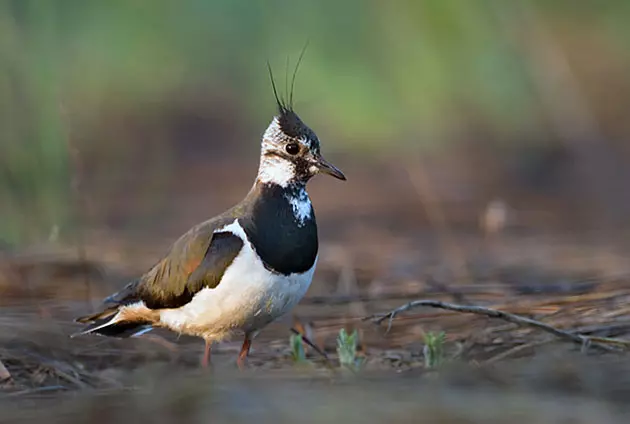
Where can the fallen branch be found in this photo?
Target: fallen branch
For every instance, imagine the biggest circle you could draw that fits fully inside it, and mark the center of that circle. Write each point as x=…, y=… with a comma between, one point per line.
x=584, y=341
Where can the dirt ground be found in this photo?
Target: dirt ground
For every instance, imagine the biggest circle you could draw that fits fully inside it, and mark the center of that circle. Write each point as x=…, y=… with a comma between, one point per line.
x=384, y=242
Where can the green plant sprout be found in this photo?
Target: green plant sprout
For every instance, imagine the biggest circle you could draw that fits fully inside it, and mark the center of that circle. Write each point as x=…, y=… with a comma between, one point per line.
x=347, y=350
x=434, y=349
x=297, y=349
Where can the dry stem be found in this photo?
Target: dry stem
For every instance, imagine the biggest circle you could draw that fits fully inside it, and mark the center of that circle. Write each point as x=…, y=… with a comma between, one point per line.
x=585, y=341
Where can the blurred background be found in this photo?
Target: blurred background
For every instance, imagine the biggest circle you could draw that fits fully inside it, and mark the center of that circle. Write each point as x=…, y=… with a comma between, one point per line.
x=475, y=135
x=134, y=116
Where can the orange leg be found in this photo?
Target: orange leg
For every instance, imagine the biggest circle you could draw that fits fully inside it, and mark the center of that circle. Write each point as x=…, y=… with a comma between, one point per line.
x=242, y=357
x=205, y=361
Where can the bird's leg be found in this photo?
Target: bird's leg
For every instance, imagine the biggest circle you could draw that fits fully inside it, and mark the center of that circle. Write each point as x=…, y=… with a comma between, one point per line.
x=205, y=361
x=242, y=357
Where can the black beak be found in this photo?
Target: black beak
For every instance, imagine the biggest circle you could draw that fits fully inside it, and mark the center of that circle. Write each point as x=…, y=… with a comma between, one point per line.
x=330, y=169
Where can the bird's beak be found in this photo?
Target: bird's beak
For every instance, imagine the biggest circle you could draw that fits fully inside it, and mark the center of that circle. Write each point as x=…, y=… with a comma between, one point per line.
x=328, y=168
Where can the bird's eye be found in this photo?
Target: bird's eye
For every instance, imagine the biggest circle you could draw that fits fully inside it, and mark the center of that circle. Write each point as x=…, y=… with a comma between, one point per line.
x=292, y=148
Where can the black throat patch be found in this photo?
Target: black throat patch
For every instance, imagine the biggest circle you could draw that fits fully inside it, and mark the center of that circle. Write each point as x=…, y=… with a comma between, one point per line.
x=284, y=244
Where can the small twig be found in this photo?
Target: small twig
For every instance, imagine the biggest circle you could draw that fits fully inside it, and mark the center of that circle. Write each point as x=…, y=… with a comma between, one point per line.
x=506, y=316
x=69, y=378
x=390, y=321
x=517, y=349
x=306, y=340
x=311, y=344
x=37, y=390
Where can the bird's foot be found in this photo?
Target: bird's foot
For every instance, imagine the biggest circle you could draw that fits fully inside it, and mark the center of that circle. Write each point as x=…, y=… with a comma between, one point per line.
x=205, y=360
x=241, y=363
x=242, y=356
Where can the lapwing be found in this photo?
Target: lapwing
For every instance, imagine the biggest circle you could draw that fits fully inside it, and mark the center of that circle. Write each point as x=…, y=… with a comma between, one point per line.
x=241, y=270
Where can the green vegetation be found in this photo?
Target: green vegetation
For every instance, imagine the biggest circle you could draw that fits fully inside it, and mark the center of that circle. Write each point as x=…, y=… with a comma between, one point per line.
x=347, y=350
x=434, y=349
x=297, y=349
x=413, y=73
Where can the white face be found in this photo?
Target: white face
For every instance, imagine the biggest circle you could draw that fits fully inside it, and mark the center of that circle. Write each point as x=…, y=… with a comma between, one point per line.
x=280, y=168
x=290, y=153
x=274, y=170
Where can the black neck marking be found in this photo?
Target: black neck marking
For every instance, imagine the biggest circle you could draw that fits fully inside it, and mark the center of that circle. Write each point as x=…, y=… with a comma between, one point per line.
x=284, y=244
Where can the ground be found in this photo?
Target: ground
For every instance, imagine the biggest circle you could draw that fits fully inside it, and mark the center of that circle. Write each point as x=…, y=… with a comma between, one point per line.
x=383, y=244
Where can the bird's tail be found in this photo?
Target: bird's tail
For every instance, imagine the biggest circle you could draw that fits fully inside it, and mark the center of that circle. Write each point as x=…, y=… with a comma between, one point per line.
x=112, y=323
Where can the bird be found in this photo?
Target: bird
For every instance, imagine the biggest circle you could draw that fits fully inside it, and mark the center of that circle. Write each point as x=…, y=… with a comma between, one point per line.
x=241, y=270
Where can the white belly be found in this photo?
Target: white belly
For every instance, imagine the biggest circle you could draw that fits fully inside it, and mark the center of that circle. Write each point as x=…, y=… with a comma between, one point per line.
x=248, y=297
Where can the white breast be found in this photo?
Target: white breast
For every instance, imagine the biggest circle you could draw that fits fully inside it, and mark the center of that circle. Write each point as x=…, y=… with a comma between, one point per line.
x=248, y=297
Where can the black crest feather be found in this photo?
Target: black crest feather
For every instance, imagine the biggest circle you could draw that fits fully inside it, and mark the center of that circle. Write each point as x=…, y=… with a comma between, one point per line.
x=290, y=122
x=285, y=105
x=282, y=106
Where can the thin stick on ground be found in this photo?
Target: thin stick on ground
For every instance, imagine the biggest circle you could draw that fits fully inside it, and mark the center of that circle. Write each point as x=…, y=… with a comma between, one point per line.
x=37, y=390
x=585, y=341
x=311, y=344
x=517, y=349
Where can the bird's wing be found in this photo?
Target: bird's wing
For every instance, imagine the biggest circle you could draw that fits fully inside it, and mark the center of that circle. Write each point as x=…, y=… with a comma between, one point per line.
x=196, y=260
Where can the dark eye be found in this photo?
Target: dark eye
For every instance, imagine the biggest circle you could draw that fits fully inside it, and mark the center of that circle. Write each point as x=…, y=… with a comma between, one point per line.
x=292, y=148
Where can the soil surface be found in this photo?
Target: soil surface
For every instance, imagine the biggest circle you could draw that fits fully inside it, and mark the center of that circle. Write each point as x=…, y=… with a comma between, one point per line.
x=386, y=239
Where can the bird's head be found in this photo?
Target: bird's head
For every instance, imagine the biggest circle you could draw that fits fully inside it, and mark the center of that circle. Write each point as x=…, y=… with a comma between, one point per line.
x=290, y=152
